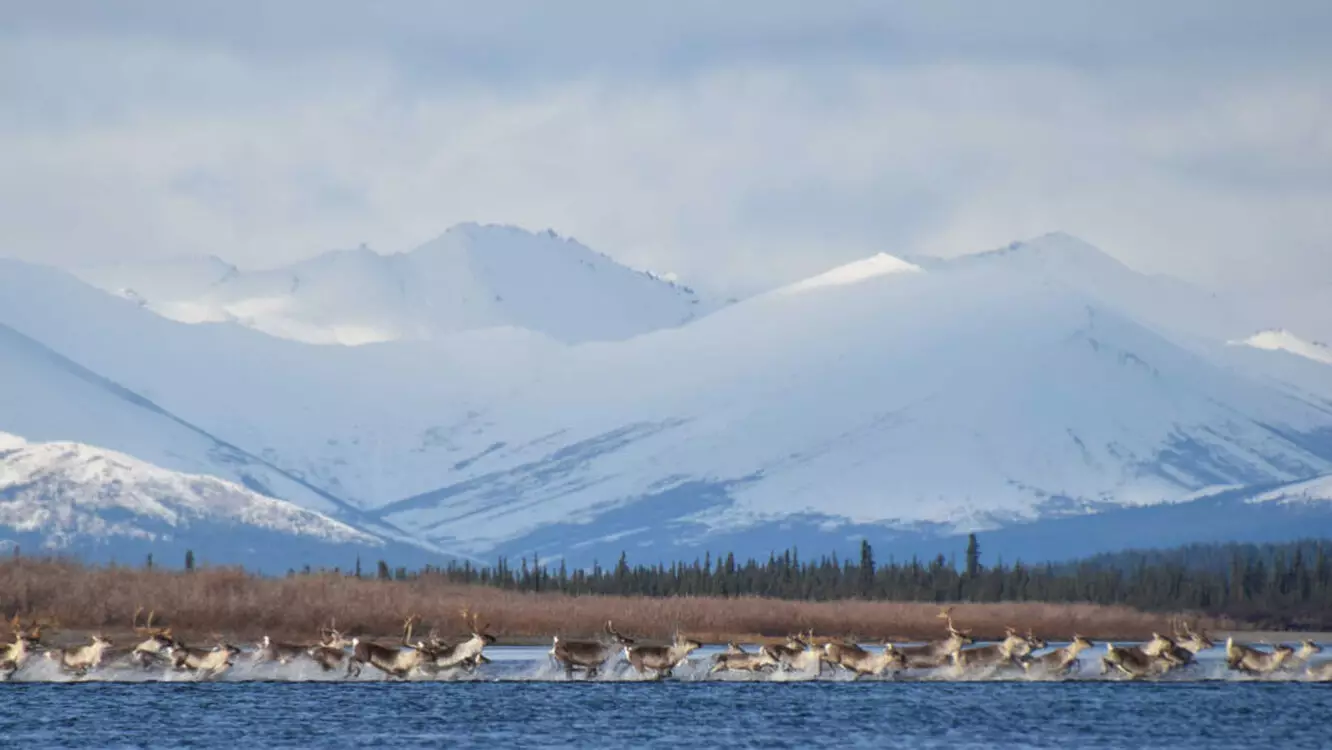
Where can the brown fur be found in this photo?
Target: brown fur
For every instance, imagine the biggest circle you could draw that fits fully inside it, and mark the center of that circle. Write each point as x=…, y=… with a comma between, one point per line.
x=857, y=660
x=1250, y=660
x=588, y=656
x=660, y=660
x=1061, y=661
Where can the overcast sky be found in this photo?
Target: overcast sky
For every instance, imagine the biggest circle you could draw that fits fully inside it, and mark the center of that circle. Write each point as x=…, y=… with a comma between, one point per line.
x=740, y=144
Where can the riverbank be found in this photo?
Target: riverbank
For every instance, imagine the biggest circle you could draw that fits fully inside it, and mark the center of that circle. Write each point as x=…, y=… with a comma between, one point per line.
x=205, y=603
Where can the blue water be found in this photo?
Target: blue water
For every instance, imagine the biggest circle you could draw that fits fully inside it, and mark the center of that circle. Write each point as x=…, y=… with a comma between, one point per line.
x=669, y=714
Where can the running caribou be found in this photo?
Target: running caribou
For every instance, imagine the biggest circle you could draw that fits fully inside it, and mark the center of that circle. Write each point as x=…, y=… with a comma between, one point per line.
x=1250, y=660
x=205, y=663
x=395, y=662
x=1154, y=657
x=80, y=659
x=465, y=654
x=588, y=656
x=1061, y=661
x=736, y=659
x=660, y=661
x=332, y=649
x=1012, y=651
x=937, y=653
x=861, y=662
x=156, y=641
x=24, y=646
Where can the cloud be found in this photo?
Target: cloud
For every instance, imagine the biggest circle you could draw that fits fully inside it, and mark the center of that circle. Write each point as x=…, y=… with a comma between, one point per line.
x=743, y=147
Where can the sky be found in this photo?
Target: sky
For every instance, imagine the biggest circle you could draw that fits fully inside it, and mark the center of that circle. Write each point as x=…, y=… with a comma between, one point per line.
x=739, y=145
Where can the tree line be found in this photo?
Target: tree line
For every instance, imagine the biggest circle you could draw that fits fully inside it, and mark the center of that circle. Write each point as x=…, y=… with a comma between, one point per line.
x=1280, y=585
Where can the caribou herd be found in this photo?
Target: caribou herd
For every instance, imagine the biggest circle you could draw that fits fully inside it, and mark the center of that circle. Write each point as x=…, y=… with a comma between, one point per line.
x=955, y=654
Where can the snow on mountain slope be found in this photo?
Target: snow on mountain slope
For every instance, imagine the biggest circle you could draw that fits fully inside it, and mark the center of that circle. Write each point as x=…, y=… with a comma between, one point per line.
x=1191, y=315
x=968, y=397
x=46, y=397
x=853, y=273
x=166, y=278
x=71, y=498
x=324, y=414
x=1285, y=341
x=1317, y=490
x=65, y=490
x=472, y=277
x=922, y=398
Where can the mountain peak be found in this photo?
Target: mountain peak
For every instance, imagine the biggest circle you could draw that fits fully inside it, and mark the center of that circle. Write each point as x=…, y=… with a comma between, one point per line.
x=881, y=264
x=470, y=278
x=1051, y=247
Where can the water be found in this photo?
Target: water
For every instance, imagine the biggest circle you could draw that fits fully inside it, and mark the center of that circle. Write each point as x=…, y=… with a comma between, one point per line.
x=520, y=701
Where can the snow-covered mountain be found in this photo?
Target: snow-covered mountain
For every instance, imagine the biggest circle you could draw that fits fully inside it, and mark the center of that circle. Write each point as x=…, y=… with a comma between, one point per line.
x=74, y=498
x=971, y=396
x=900, y=400
x=472, y=277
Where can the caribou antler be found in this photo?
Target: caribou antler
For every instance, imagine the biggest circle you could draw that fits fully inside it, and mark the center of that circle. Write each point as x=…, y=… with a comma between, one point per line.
x=147, y=629
x=471, y=621
x=407, y=625
x=612, y=632
x=946, y=613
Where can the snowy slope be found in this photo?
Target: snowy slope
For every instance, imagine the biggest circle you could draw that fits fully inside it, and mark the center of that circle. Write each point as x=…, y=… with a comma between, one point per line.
x=886, y=397
x=967, y=397
x=66, y=490
x=47, y=397
x=324, y=414
x=472, y=277
x=71, y=498
x=167, y=278
x=1314, y=491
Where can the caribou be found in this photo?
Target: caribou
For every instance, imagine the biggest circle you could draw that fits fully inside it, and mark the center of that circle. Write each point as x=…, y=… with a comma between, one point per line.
x=1012, y=651
x=589, y=656
x=1152, y=658
x=937, y=653
x=798, y=654
x=786, y=653
x=80, y=659
x=332, y=648
x=660, y=660
x=156, y=641
x=1249, y=660
x=1302, y=656
x=736, y=659
x=860, y=662
x=205, y=663
x=17, y=653
x=395, y=662
x=466, y=654
x=1182, y=650
x=1061, y=661
x=1190, y=641
x=283, y=653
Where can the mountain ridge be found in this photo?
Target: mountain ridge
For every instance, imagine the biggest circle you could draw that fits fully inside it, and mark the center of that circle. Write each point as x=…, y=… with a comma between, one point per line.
x=882, y=398
x=472, y=276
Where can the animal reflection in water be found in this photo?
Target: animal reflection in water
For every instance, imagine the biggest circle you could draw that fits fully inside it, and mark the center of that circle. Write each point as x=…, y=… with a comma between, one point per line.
x=953, y=656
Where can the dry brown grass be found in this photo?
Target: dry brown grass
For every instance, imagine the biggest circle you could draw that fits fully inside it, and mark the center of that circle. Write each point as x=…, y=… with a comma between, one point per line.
x=242, y=606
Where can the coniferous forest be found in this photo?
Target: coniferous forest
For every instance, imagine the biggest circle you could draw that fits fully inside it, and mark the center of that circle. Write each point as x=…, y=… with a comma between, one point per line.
x=1280, y=586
